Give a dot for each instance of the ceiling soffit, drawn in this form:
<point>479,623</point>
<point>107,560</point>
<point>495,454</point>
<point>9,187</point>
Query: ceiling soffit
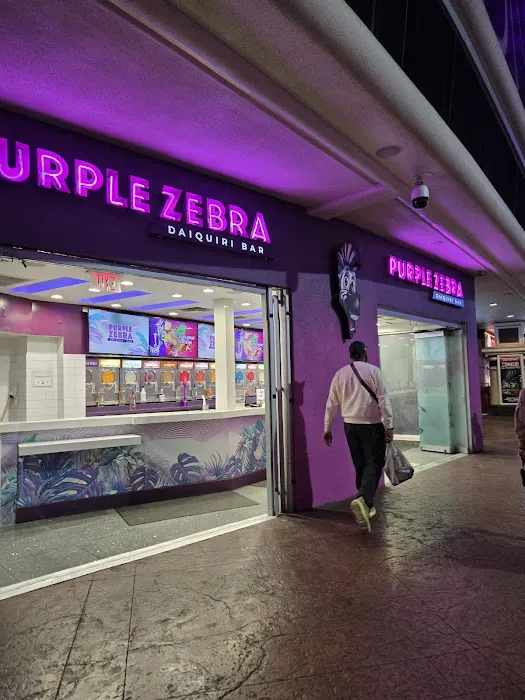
<point>336,31</point>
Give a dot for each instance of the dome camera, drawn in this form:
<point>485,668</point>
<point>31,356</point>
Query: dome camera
<point>420,194</point>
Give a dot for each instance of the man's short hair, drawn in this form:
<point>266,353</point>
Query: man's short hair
<point>357,348</point>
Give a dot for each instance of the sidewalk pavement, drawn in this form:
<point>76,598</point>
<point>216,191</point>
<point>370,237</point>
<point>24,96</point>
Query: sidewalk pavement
<point>430,605</point>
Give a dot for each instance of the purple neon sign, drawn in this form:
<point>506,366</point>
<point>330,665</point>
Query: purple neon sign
<point>178,208</point>
<point>425,277</point>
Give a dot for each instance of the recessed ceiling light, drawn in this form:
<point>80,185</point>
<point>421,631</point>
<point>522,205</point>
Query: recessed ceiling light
<point>177,296</point>
<point>92,289</point>
<point>173,313</point>
<point>127,283</point>
<point>246,325</point>
<point>510,316</point>
<point>207,291</point>
<point>56,296</point>
<point>493,304</point>
<point>246,303</point>
<point>388,152</point>
<point>116,306</point>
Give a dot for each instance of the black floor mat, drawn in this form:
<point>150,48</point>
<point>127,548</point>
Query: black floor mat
<point>182,507</point>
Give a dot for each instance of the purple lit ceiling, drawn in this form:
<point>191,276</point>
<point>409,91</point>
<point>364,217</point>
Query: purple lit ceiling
<point>78,63</point>
<point>47,285</point>
<point>113,297</point>
<point>38,281</point>
<point>164,305</point>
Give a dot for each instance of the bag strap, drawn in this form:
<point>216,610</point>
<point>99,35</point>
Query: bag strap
<point>363,383</point>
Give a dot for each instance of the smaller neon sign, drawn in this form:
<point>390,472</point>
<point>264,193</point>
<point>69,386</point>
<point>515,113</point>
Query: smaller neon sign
<point>425,277</point>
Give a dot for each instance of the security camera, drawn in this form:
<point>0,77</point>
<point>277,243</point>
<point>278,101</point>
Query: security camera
<point>420,194</point>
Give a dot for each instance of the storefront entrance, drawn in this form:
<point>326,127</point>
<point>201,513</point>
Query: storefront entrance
<point>424,365</point>
<point>141,410</point>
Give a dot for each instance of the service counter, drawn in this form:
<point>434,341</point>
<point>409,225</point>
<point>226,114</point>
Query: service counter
<point>65,466</point>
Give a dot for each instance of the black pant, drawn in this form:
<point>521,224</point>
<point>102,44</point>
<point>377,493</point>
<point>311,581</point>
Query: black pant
<point>367,446</point>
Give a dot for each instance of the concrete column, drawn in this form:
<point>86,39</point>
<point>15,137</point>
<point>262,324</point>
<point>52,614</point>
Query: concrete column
<point>224,354</point>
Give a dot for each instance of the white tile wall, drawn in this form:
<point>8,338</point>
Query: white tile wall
<point>17,372</point>
<point>74,392</point>
<point>12,376</point>
<point>24,357</point>
<point>41,401</point>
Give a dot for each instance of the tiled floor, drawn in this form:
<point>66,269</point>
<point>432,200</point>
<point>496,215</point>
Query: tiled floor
<point>430,605</point>
<point>43,547</point>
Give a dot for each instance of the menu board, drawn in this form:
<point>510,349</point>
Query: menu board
<point>169,338</point>
<point>510,377</point>
<point>249,345</point>
<point>117,334</point>
<point>206,342</point>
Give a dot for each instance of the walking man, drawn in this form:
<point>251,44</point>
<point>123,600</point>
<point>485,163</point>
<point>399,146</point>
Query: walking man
<point>359,393</point>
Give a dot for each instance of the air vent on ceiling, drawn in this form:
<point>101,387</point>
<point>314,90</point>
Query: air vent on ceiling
<point>7,281</point>
<point>197,310</point>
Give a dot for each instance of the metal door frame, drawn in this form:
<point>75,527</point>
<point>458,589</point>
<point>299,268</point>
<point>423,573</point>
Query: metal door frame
<point>279,401</point>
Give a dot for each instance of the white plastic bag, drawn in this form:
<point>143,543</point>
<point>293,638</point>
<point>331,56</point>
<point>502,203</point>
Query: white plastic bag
<point>397,466</point>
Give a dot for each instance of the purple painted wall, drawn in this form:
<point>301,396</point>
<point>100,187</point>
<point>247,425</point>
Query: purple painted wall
<point>303,257</point>
<point>18,315</point>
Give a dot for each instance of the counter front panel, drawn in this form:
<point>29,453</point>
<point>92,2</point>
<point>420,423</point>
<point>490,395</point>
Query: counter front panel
<point>171,456</point>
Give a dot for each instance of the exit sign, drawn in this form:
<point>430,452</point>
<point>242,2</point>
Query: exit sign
<point>105,281</point>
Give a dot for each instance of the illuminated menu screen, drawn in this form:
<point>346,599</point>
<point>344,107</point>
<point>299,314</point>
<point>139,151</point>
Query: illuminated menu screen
<point>206,342</point>
<point>172,338</point>
<point>249,345</point>
<point>117,334</point>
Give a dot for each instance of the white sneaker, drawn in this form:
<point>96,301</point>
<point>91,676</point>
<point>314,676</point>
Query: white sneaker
<point>361,513</point>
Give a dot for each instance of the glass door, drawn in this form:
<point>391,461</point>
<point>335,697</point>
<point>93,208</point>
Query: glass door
<point>459,395</point>
<point>433,375</point>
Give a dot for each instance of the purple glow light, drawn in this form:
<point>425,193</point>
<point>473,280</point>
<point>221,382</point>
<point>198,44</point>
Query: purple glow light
<point>216,215</point>
<point>46,285</point>
<point>112,297</point>
<point>52,170</point>
<point>20,171</point>
<point>164,305</point>
<point>248,312</point>
<point>112,195</point>
<point>87,177</point>
<point>193,209</point>
<point>172,195</point>
<point>238,221</point>
<point>139,194</point>
<point>415,274</point>
<point>259,230</point>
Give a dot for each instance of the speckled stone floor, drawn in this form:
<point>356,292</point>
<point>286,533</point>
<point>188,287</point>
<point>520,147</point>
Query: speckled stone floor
<point>430,605</point>
<point>44,547</point>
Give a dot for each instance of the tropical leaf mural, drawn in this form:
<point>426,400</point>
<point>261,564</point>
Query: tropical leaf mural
<point>186,470</point>
<point>74,475</point>
<point>116,475</point>
<point>251,450</point>
<point>218,468</point>
<point>8,491</point>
